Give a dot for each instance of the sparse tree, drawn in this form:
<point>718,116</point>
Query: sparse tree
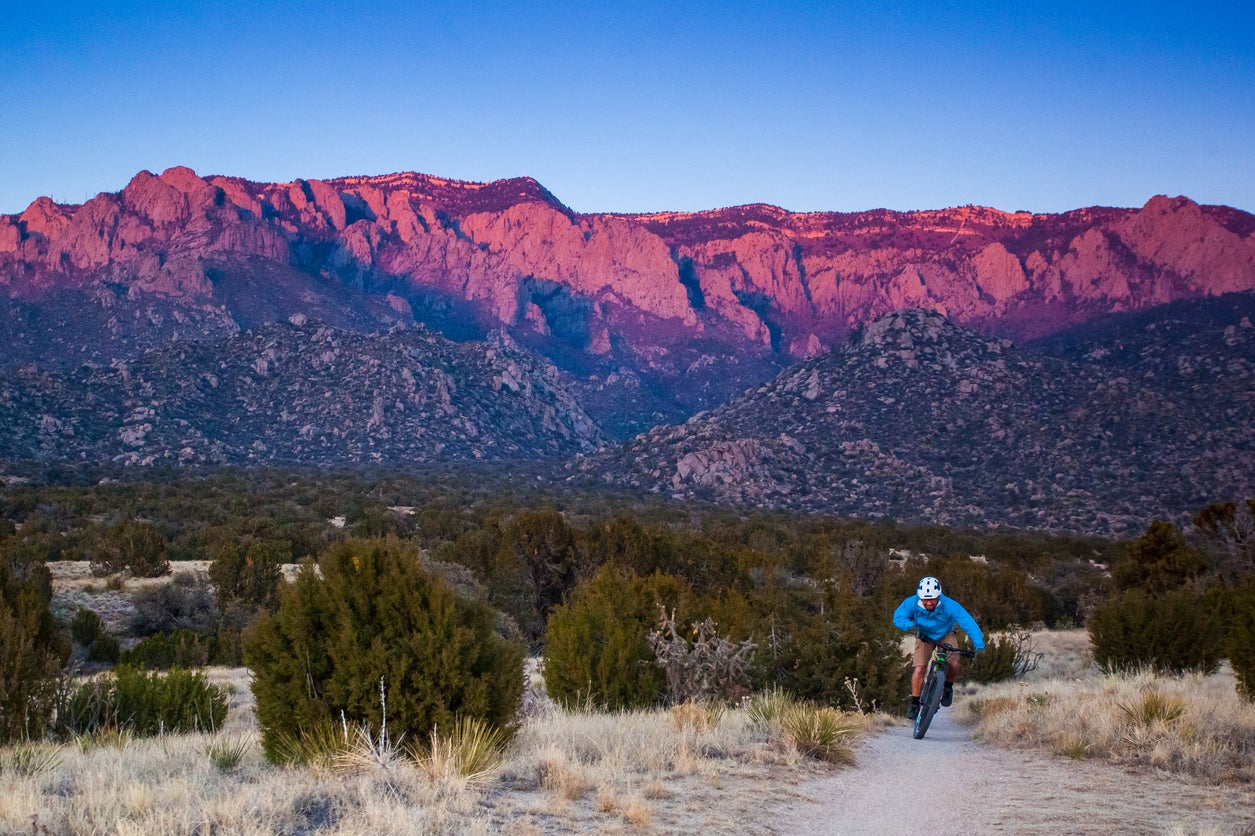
<point>131,546</point>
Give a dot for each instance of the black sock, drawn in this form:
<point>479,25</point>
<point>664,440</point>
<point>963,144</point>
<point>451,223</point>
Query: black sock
<point>914,700</point>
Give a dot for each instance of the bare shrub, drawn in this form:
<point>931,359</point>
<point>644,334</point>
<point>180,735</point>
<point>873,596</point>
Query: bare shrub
<point>185,603</point>
<point>708,668</point>
<point>1008,655</point>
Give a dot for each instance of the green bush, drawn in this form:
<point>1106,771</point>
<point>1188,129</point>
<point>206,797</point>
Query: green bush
<point>85,626</point>
<point>143,703</point>
<point>997,663</point>
<point>1241,645</point>
<point>104,648</point>
<point>375,618</point>
<point>597,645</point>
<point>535,565</point>
<point>1172,632</point>
<point>1159,561</point>
<point>249,575</point>
<point>32,649</point>
<point>131,546</point>
<point>182,648</point>
<point>845,653</point>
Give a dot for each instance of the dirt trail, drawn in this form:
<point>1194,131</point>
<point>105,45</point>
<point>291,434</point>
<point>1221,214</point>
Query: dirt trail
<point>1000,791</point>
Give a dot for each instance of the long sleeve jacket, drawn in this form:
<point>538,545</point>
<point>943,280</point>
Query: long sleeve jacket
<point>934,626</point>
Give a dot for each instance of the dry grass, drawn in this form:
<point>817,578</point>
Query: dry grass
<point>1066,654</point>
<point>697,768</point>
<point>74,586</point>
<point>1192,725</point>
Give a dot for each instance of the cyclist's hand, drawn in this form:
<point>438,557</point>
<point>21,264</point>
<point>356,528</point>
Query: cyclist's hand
<point>978,651</point>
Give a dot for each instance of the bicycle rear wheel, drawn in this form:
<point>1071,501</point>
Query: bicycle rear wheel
<point>929,701</point>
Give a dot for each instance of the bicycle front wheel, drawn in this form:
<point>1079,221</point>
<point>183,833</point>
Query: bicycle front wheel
<point>929,701</point>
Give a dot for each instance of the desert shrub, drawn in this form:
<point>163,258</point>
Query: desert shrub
<point>1241,644</point>
<point>131,546</point>
<point>32,649</point>
<point>821,732</point>
<point>183,648</point>
<point>1159,561</point>
<point>104,648</point>
<point>1171,632</point>
<point>143,703</point>
<point>843,653</point>
<point>85,626</point>
<point>534,566</point>
<point>597,648</point>
<point>249,574</point>
<point>376,619</point>
<point>995,664</point>
<point>709,667</point>
<point>185,603</point>
<point>1227,530</point>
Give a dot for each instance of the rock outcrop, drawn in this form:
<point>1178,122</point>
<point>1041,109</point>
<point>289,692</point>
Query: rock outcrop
<point>299,393</point>
<point>1098,430</point>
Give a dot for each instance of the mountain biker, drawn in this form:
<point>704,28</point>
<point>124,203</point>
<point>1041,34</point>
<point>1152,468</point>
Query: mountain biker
<point>934,617</point>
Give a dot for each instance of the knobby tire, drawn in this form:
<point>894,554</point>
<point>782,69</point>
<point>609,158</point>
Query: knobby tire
<point>929,701</point>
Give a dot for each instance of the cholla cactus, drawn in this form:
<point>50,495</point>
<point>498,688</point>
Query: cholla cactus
<point>709,667</point>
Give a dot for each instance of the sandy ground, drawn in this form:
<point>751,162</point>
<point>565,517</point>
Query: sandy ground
<point>963,787</point>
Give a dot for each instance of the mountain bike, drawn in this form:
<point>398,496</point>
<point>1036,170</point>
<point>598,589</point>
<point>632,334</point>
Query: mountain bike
<point>934,685</point>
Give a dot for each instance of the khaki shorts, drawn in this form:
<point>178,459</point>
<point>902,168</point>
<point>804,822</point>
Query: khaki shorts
<point>924,649</point>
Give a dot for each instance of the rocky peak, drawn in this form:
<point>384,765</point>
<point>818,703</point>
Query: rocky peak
<point>726,293</point>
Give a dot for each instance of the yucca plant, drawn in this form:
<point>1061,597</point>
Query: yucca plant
<point>472,750</point>
<point>368,752</point>
<point>29,759</point>
<point>768,707</point>
<point>1153,708</point>
<point>318,745</point>
<point>226,754</point>
<point>821,732</point>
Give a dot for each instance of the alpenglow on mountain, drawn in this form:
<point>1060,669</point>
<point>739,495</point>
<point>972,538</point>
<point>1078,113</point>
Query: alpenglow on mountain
<point>670,312</point>
<point>214,320</point>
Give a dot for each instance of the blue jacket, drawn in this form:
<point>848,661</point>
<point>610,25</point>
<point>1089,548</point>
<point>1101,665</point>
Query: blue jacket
<point>933,626</point>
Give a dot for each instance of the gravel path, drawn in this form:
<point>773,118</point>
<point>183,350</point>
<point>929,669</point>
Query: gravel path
<point>900,782</point>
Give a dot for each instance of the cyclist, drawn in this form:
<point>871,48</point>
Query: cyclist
<point>934,617</point>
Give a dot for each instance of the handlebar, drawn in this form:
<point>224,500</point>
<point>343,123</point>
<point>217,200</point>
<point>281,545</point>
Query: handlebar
<point>952,649</point>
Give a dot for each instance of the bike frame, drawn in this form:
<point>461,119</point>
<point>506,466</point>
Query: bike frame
<point>934,684</point>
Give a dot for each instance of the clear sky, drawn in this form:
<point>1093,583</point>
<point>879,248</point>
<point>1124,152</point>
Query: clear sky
<point>644,106</point>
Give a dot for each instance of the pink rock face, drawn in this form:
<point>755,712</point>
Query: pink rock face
<point>758,275</point>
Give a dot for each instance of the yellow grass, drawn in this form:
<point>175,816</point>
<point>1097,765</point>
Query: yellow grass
<point>695,769</point>
<point>1193,725</point>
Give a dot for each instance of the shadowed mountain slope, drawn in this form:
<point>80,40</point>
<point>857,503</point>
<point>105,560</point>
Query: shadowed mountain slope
<point>920,419</point>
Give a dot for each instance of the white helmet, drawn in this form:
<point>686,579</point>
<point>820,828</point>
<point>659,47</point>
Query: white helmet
<point>929,588</point>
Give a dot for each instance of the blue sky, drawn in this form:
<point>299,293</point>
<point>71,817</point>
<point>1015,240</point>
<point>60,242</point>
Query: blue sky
<point>644,106</point>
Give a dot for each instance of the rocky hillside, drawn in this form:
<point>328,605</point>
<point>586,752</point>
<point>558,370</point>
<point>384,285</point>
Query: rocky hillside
<point>1095,431</point>
<point>656,315</point>
<point>298,393</point>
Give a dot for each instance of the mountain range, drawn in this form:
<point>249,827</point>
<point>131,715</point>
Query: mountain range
<point>1078,371</point>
